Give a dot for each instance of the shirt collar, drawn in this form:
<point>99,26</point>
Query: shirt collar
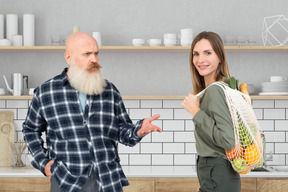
<point>64,77</point>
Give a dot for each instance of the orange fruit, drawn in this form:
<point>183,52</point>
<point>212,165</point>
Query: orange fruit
<point>252,154</point>
<point>236,151</point>
<point>245,171</point>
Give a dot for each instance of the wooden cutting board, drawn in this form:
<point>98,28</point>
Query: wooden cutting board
<point>7,133</point>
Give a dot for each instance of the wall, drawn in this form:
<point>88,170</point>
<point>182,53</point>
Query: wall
<point>176,144</point>
<point>145,73</point>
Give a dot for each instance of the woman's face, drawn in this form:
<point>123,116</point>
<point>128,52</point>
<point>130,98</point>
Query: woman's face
<point>205,60</point>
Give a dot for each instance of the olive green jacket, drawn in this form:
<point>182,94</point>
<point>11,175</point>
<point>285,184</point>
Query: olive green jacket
<point>214,130</point>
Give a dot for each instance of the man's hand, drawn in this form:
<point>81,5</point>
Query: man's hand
<point>147,126</point>
<point>48,169</point>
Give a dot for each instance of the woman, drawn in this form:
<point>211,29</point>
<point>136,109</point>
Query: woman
<point>213,124</point>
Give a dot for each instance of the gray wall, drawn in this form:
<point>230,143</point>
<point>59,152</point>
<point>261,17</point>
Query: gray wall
<point>145,73</point>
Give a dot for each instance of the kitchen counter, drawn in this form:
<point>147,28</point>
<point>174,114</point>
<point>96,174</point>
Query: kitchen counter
<point>139,171</point>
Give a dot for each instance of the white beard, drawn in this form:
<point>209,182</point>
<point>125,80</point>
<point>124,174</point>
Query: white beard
<point>85,82</point>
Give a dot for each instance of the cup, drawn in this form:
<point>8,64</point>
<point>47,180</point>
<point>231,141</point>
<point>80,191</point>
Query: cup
<point>185,31</point>
<point>277,78</point>
<point>170,36</point>
<point>186,41</point>
<point>97,36</point>
<point>138,42</point>
<point>55,40</point>
<point>5,42</point>
<point>17,40</point>
<point>154,42</point>
<point>170,42</point>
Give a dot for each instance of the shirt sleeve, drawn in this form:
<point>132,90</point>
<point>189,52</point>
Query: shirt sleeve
<point>32,130</point>
<point>128,130</point>
<point>216,122</point>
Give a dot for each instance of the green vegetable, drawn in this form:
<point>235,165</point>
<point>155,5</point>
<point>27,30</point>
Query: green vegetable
<point>232,82</point>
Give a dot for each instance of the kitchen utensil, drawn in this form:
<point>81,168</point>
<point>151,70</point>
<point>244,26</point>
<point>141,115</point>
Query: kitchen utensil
<point>28,29</point>
<point>7,133</point>
<point>18,82</point>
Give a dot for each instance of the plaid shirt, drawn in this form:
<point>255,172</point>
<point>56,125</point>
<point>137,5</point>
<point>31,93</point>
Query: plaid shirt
<point>78,142</point>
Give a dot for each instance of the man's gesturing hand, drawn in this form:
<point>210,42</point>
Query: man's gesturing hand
<point>48,169</point>
<point>147,127</point>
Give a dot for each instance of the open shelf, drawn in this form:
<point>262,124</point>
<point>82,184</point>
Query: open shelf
<point>142,48</point>
<point>23,97</point>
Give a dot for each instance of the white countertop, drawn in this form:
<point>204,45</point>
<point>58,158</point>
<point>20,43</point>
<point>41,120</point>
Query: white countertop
<point>138,171</point>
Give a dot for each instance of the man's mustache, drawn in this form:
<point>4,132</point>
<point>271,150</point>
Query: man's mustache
<point>97,65</point>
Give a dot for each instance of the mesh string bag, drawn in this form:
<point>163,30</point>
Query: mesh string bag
<point>247,152</point>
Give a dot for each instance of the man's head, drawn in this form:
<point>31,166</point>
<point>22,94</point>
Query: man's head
<point>83,68</point>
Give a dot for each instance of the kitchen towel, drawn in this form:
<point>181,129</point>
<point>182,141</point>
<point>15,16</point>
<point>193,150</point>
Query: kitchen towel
<point>1,26</point>
<point>11,25</point>
<point>29,30</point>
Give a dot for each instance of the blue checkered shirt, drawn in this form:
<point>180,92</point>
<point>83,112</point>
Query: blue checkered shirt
<point>79,142</point>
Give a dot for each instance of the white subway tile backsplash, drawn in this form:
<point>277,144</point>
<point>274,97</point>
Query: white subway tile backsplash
<point>140,160</point>
<point>162,160</point>
<point>17,103</point>
<point>123,149</point>
<point>275,137</point>
<point>258,113</point>
<point>277,160</point>
<point>124,159</point>
<point>190,148</point>
<point>22,113</point>
<point>281,103</point>
<point>281,125</point>
<point>184,159</point>
<point>263,104</point>
<point>2,104</point>
<point>18,125</point>
<point>173,125</point>
<point>164,113</point>
<point>162,137</point>
<point>151,148</point>
<point>281,147</point>
<point>131,103</point>
<point>176,104</point>
<point>274,113</point>
<point>184,137</point>
<point>266,125</point>
<point>139,113</point>
<point>189,125</point>
<point>182,114</point>
<point>173,148</point>
<point>151,103</point>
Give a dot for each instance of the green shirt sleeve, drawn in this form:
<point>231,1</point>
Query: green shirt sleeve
<point>213,124</point>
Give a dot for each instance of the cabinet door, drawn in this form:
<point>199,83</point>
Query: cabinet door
<point>140,185</point>
<point>248,184</point>
<point>176,184</point>
<point>24,184</point>
<point>272,184</point>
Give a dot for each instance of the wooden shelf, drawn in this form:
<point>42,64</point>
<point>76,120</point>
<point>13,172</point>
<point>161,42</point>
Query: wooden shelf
<point>141,48</point>
<point>172,97</point>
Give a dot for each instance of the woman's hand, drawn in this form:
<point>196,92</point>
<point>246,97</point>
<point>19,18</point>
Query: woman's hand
<point>191,104</point>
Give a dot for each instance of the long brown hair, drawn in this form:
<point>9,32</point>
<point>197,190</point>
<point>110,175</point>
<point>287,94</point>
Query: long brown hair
<point>218,47</point>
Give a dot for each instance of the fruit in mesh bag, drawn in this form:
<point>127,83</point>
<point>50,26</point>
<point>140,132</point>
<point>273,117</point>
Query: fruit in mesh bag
<point>236,151</point>
<point>260,162</point>
<point>252,154</point>
<point>239,164</point>
<point>245,171</point>
<point>245,137</point>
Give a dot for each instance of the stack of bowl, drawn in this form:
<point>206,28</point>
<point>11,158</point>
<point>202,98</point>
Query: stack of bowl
<point>186,37</point>
<point>277,86</point>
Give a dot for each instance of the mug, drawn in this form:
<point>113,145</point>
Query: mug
<point>185,31</point>
<point>169,36</point>
<point>97,36</point>
<point>277,78</point>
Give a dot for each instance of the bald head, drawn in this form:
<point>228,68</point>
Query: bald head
<point>78,44</point>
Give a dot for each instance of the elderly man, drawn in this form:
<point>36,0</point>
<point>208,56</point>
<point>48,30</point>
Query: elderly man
<point>84,118</point>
